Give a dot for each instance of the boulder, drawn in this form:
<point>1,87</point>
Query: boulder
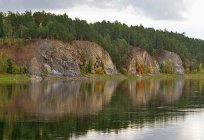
<point>164,56</point>
<point>141,57</point>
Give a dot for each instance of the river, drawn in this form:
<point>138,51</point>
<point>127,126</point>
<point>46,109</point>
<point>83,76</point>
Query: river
<point>119,109</point>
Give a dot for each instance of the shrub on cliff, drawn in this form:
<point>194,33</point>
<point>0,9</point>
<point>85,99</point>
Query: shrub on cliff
<point>3,62</point>
<point>167,67</point>
<point>99,70</point>
<point>7,66</point>
<point>89,67</point>
<point>123,71</point>
<point>140,69</point>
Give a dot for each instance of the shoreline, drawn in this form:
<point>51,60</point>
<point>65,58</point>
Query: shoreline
<point>26,77</point>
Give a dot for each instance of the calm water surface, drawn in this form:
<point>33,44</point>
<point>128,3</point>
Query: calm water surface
<point>137,109</point>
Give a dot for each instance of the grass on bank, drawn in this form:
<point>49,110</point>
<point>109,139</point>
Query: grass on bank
<point>119,76</point>
<point>13,78</point>
<point>24,78</point>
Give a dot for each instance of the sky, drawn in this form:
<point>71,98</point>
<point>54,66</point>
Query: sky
<point>183,16</point>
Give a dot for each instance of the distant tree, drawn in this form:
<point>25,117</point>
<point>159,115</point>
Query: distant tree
<point>1,25</point>
<point>121,52</point>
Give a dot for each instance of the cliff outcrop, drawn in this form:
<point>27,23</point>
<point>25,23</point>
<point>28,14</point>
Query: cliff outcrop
<point>51,57</point>
<point>46,57</point>
<point>140,57</point>
<point>165,57</point>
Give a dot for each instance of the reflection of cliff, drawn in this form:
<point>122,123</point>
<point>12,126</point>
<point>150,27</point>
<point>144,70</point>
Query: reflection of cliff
<point>170,91</point>
<point>144,92</point>
<point>64,97</point>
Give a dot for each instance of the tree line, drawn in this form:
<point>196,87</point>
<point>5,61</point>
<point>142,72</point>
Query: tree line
<point>117,38</point>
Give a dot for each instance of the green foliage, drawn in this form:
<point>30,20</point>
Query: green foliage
<point>18,70</point>
<point>120,54</point>
<point>1,25</point>
<point>146,69</point>
<point>167,67</point>
<point>6,42</point>
<point>194,67</point>
<point>89,67</point>
<point>123,71</point>
<point>7,66</point>
<point>3,62</point>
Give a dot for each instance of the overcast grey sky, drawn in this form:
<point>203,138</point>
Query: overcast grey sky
<point>173,15</point>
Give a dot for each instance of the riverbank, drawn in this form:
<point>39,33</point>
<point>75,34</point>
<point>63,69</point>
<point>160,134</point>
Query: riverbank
<point>129,77</point>
<point>25,78</point>
<point>14,78</point>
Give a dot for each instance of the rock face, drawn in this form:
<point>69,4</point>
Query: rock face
<point>163,56</point>
<point>87,51</point>
<point>56,58</point>
<point>141,57</point>
<point>46,57</point>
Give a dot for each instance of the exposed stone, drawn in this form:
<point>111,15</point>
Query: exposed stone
<point>46,57</point>
<point>89,50</point>
<point>57,59</point>
<point>163,56</point>
<point>36,78</point>
<point>141,57</point>
<point>35,67</point>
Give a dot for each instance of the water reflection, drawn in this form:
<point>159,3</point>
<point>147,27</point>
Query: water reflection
<point>144,92</point>
<point>50,98</point>
<point>71,109</point>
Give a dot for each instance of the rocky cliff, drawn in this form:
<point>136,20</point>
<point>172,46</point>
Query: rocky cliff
<point>87,51</point>
<point>163,57</point>
<point>45,57</point>
<point>141,57</point>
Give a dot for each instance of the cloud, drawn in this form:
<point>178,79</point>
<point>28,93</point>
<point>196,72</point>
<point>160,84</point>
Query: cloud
<point>156,9</point>
<point>21,5</point>
<point>161,9</point>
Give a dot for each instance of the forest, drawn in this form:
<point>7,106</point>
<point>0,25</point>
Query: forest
<point>117,38</point>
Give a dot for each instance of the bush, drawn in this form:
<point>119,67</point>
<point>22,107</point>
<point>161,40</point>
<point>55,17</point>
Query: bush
<point>3,62</point>
<point>150,69</point>
<point>146,69</point>
<point>99,70</point>
<point>140,69</point>
<point>123,71</point>
<point>16,69</point>
<point>167,67</point>
<point>9,68</point>
<point>89,67</point>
